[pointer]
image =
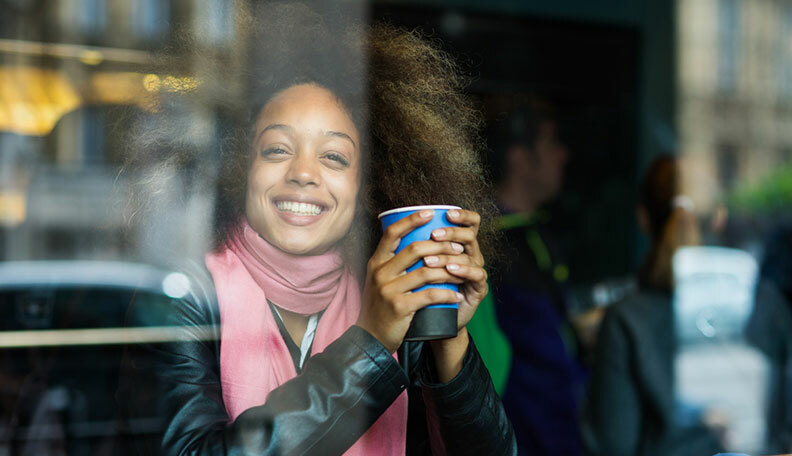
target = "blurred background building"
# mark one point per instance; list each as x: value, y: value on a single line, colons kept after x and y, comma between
x: 735, y: 105
x: 74, y: 75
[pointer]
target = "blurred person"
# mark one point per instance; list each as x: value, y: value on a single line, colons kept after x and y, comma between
x: 777, y: 261
x: 299, y: 355
x: 545, y: 381
x: 633, y: 407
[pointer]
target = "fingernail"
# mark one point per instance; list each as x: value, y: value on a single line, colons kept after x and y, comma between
x: 439, y: 233
x: 452, y: 267
x: 460, y: 296
x: 426, y: 214
x: 431, y: 260
x: 453, y: 213
x: 457, y: 247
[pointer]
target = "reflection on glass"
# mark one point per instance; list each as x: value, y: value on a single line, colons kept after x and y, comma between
x: 719, y: 378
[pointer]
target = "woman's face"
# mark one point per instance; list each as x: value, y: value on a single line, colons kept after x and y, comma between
x: 303, y: 182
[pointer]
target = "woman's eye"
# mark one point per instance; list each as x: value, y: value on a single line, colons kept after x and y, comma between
x: 336, y: 157
x: 273, y: 152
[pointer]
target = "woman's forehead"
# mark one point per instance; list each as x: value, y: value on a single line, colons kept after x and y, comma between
x: 307, y: 108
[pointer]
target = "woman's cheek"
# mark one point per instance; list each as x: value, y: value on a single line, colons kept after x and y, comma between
x: 345, y: 190
x: 255, y: 203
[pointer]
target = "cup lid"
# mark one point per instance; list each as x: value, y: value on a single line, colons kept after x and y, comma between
x: 416, y: 208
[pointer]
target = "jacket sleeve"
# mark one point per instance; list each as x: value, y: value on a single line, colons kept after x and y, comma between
x: 613, y: 414
x: 324, y: 410
x: 464, y: 416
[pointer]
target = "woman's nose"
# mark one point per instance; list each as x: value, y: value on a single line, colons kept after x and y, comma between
x: 303, y: 171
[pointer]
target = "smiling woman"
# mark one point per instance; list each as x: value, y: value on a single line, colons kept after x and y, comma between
x: 305, y: 329
x: 304, y: 178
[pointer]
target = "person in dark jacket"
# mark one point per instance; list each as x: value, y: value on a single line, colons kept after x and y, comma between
x: 545, y: 382
x: 634, y: 407
x: 289, y: 346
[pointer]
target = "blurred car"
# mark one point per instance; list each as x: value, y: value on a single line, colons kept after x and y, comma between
x: 62, y: 339
x: 717, y: 371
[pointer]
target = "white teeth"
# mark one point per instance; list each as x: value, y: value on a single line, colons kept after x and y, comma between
x: 297, y: 208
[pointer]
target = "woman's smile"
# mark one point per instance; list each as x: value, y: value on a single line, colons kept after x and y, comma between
x: 299, y: 210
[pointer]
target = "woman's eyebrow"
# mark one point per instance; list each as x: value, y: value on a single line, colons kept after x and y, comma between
x: 285, y: 128
x: 338, y: 134
x: 289, y: 129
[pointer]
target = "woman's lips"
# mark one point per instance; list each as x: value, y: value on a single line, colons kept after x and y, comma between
x: 298, y: 213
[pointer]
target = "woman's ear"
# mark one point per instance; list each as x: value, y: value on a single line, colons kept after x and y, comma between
x: 642, y: 216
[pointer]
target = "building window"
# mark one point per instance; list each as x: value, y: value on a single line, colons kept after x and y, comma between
x: 90, y: 16
x: 150, y: 20
x: 785, y: 156
x: 93, y: 136
x: 785, y: 54
x: 728, y: 44
x: 214, y: 18
x: 728, y: 162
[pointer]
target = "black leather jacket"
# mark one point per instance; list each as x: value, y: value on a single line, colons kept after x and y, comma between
x: 322, y: 411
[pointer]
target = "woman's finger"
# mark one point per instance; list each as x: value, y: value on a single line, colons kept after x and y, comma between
x: 415, y: 252
x: 463, y: 235
x: 439, y: 261
x: 396, y: 231
x: 475, y: 275
x: 416, y: 301
x: 471, y: 220
x: 418, y: 278
x: 464, y: 218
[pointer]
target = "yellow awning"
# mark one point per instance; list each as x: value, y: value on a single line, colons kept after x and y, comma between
x: 32, y: 100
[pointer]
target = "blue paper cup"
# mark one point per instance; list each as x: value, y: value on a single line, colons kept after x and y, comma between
x: 437, y: 321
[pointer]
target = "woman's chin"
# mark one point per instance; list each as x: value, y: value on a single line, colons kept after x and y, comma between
x: 299, y: 246
x: 312, y: 239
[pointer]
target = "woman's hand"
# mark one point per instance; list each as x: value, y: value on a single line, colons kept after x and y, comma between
x: 468, y: 266
x: 388, y: 303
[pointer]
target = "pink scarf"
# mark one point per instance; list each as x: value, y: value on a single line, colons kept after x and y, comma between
x: 302, y: 284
